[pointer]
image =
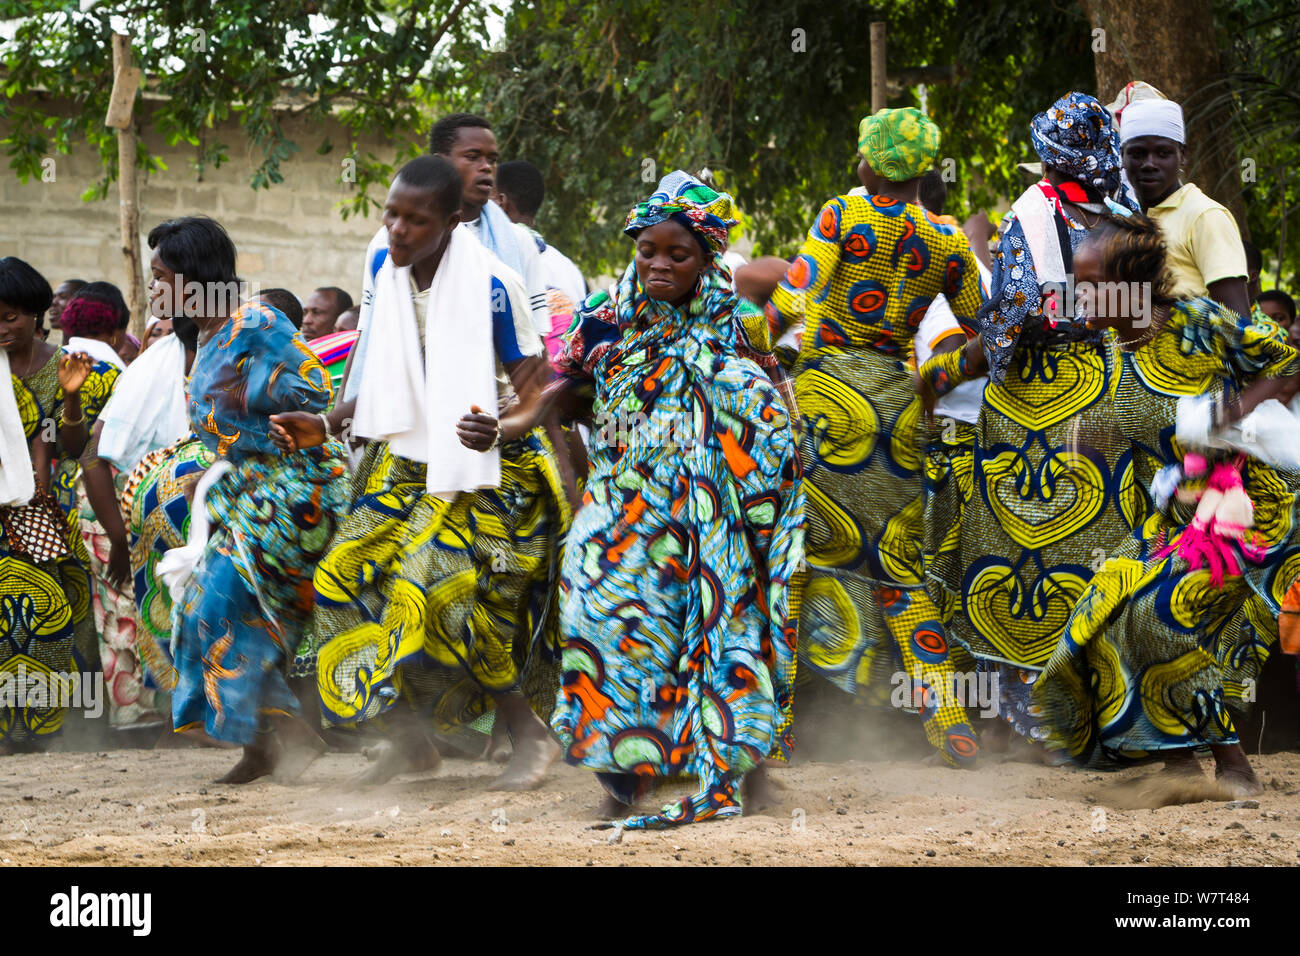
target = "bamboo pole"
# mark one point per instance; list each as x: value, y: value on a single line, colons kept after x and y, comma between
x: 879, y: 93
x: 126, y: 80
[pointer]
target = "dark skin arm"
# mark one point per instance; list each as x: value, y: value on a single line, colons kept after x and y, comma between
x: 1232, y: 293
x: 73, y: 371
x: 97, y: 476
x: 42, y: 453
x: 757, y: 280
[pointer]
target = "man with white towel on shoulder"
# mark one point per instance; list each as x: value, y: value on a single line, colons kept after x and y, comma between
x: 444, y: 574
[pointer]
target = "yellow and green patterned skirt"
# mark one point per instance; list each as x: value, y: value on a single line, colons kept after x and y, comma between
x: 443, y: 603
x: 868, y: 624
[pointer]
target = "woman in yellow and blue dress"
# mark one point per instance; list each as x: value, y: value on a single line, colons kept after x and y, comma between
x: 862, y: 283
x: 271, y: 514
x: 1161, y: 648
x: 1053, y: 489
x: 45, y: 628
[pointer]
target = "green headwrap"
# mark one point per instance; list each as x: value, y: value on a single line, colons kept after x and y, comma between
x: 899, y: 144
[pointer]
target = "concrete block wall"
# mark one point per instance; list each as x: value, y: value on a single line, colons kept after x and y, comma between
x: 290, y: 235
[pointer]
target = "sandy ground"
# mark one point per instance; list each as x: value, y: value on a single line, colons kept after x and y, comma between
x: 151, y: 807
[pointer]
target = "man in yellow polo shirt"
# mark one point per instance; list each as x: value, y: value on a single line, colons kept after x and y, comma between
x: 1205, y: 254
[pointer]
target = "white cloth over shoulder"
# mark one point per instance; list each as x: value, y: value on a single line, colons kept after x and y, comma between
x: 963, y: 402
x: 413, y: 405
x: 1268, y: 433
x: 99, y: 351
x: 147, y: 409
x: 17, y: 484
x: 1037, y: 217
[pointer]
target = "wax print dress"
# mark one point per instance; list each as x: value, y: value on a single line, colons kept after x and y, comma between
x: 863, y: 280
x: 273, y: 515
x: 679, y: 616
x: 446, y: 603
x: 46, y: 630
x: 156, y: 500
x: 1153, y: 655
x: 1053, y: 490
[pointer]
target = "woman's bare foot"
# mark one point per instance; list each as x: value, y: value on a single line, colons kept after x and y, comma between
x: 299, y: 748
x: 398, y: 756
x: 1182, y: 763
x: 258, y: 761
x: 534, y: 750
x: 759, y: 791
x: 527, y: 767
x: 612, y: 808
x: 499, y: 748
x: 1233, y: 772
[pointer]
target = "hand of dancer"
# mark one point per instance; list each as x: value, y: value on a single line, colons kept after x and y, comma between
x: 477, y: 430
x: 294, y: 431
x: 119, y: 565
x: 74, y: 368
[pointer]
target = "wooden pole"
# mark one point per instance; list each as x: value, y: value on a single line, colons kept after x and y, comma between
x: 879, y: 95
x: 126, y: 80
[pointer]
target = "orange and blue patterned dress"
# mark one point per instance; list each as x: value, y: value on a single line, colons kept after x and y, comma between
x: 273, y: 515
x: 862, y: 283
x: 678, y: 612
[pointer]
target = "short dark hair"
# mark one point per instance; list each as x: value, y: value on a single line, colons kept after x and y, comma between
x: 195, y: 247
x: 1280, y: 297
x: 933, y: 192
x: 117, y: 314
x: 77, y: 284
x: 522, y: 181
x: 445, y: 132
x: 1254, y: 258
x: 342, y: 300
x: 23, y: 287
x: 286, y: 302
x: 438, y: 176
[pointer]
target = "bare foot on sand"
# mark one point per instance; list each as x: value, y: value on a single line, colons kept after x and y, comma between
x: 299, y: 748
x: 499, y: 748
x: 258, y: 761
x: 527, y: 768
x: 410, y: 754
x: 760, y: 791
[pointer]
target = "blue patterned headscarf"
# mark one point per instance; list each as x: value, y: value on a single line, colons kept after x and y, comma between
x: 707, y: 213
x: 1077, y: 136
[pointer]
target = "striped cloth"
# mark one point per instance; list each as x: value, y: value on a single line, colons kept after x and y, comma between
x: 333, y: 351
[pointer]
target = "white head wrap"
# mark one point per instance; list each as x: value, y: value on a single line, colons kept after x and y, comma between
x: 1152, y: 118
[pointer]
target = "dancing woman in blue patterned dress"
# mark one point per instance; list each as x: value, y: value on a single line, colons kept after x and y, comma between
x: 678, y: 615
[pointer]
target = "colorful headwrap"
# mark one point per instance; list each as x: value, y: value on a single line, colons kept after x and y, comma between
x: 1077, y: 137
x: 899, y: 144
x: 706, y: 212
x: 88, y: 317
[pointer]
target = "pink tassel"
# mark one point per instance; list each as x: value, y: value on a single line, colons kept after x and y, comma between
x: 1194, y: 464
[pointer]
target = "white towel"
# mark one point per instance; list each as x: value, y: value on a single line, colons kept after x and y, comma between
x: 147, y: 409
x: 17, y: 485
x: 1037, y: 216
x: 415, y: 406
x: 99, y: 351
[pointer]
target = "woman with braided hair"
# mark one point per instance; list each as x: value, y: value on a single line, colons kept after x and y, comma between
x: 1161, y: 645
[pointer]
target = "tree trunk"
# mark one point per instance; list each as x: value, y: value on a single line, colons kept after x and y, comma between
x: 1171, y: 45
x: 126, y: 80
